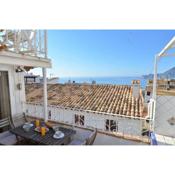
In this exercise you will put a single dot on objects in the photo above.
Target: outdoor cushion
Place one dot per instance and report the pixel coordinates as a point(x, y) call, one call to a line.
point(7, 138)
point(4, 134)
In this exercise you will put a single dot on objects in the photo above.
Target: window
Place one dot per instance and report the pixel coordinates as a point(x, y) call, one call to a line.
point(148, 93)
point(111, 125)
point(50, 114)
point(79, 120)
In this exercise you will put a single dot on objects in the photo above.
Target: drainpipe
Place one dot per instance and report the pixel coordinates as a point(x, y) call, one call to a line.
point(45, 80)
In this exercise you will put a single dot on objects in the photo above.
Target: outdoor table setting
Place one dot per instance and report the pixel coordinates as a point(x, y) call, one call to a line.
point(39, 132)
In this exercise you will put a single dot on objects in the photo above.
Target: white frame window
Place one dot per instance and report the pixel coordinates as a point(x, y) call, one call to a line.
point(79, 119)
point(111, 125)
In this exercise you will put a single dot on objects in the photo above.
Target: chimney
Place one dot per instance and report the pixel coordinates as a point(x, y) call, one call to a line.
point(136, 88)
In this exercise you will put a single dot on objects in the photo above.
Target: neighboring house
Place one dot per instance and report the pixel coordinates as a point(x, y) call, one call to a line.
point(30, 78)
point(114, 108)
point(53, 80)
point(165, 102)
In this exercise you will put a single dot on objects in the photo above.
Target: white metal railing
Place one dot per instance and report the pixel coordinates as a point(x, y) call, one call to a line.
point(152, 112)
point(90, 111)
point(90, 120)
point(30, 42)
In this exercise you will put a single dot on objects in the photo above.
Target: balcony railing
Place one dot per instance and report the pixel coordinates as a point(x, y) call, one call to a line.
point(26, 42)
point(105, 123)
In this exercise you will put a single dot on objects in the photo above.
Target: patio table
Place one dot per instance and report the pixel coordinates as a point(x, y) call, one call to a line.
point(48, 139)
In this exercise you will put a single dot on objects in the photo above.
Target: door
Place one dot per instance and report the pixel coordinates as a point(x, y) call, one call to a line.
point(5, 110)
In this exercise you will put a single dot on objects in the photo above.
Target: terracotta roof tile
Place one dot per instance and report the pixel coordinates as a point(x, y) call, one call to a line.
point(112, 99)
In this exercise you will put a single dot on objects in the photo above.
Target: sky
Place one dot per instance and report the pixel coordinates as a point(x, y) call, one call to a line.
point(98, 53)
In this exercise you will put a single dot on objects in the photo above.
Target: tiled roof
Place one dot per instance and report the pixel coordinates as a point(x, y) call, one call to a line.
point(161, 91)
point(164, 87)
point(112, 99)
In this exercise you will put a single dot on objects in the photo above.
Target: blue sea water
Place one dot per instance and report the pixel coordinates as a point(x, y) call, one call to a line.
point(104, 80)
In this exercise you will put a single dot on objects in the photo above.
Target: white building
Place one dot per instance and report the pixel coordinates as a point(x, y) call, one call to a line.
point(30, 78)
point(109, 108)
point(19, 50)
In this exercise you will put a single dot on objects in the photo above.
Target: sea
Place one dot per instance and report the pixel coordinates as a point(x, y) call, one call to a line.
point(104, 80)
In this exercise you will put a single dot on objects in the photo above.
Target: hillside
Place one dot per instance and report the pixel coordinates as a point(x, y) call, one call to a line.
point(169, 74)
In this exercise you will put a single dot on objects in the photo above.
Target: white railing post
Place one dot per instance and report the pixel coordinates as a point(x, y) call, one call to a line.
point(155, 77)
point(152, 113)
point(95, 122)
point(153, 101)
point(45, 82)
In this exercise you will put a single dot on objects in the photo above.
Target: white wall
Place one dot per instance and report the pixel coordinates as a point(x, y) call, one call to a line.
point(125, 125)
point(130, 126)
point(165, 109)
point(17, 97)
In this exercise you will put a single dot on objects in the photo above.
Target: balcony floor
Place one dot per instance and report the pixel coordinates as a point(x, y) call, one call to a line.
point(103, 139)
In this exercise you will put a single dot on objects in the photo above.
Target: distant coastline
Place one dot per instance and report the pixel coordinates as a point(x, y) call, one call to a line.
point(169, 74)
point(122, 80)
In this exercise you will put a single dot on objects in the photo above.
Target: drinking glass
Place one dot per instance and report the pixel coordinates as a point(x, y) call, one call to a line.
point(37, 123)
point(43, 131)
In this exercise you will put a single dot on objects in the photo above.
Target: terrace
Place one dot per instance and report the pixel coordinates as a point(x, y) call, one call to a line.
point(102, 137)
point(81, 135)
point(95, 114)
point(75, 105)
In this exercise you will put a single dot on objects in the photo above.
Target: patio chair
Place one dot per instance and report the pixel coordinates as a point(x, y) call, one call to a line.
point(80, 137)
point(6, 137)
point(18, 120)
point(91, 138)
point(84, 137)
point(4, 123)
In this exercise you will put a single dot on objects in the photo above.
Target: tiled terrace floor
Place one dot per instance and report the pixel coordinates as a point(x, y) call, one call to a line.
point(164, 140)
point(103, 139)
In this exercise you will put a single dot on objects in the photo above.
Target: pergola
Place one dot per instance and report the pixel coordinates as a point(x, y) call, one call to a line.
point(162, 54)
point(167, 51)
